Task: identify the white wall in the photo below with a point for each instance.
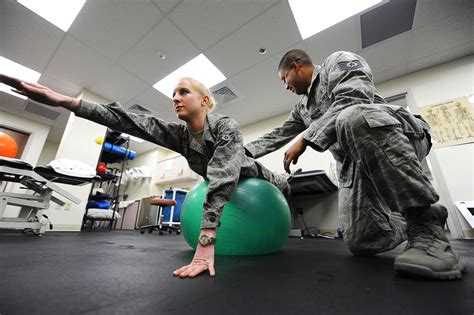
(151, 158)
(50, 149)
(310, 160)
(147, 189)
(38, 134)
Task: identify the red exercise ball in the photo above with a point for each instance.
(101, 168)
(8, 146)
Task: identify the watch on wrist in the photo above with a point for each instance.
(205, 240)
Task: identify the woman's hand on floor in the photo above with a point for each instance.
(203, 260)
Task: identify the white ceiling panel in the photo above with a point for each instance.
(27, 38)
(452, 31)
(388, 53)
(113, 27)
(119, 85)
(430, 11)
(165, 38)
(75, 63)
(207, 21)
(166, 5)
(342, 36)
(274, 30)
(66, 88)
(157, 103)
(263, 93)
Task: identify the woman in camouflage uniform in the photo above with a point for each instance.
(211, 143)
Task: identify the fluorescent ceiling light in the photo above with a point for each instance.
(16, 70)
(316, 15)
(132, 137)
(58, 12)
(199, 68)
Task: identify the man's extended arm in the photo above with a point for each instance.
(276, 138)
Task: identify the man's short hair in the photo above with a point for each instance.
(297, 55)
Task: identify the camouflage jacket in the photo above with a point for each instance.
(344, 79)
(220, 160)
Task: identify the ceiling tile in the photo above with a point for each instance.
(452, 31)
(27, 38)
(160, 105)
(206, 21)
(118, 85)
(342, 36)
(431, 11)
(261, 93)
(76, 64)
(389, 53)
(113, 27)
(166, 5)
(274, 30)
(66, 88)
(165, 38)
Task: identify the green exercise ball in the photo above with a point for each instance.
(256, 220)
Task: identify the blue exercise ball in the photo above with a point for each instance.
(255, 221)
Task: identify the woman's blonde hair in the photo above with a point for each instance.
(203, 90)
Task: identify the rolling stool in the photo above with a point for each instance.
(161, 203)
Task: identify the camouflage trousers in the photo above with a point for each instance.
(279, 180)
(387, 178)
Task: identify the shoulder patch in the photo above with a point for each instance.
(349, 65)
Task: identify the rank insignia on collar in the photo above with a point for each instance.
(349, 65)
(228, 136)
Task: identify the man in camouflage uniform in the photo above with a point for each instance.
(378, 147)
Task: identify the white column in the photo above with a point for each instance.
(78, 143)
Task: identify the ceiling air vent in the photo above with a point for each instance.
(41, 111)
(138, 109)
(224, 95)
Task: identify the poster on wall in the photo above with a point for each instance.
(452, 122)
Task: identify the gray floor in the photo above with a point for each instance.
(129, 273)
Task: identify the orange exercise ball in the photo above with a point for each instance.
(8, 146)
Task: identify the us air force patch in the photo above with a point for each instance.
(349, 65)
(228, 136)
